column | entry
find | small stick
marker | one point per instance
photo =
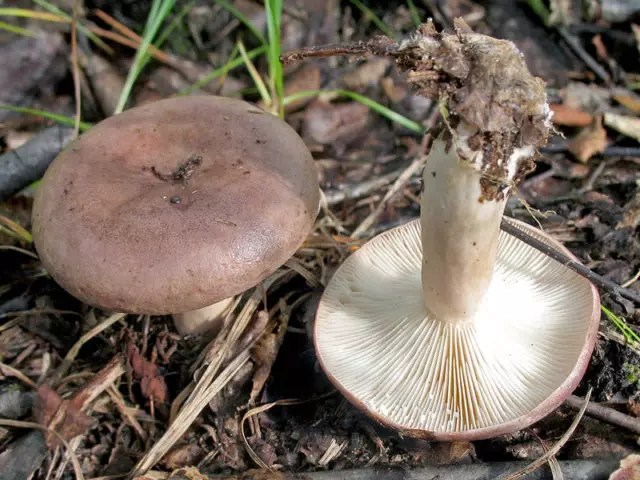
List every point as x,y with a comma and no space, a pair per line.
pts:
606,414
377,46
577,267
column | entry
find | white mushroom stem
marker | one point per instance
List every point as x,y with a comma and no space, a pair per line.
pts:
203,320
460,230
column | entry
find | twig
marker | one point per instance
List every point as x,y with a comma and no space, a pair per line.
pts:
102,380
133,36
26,164
556,448
127,42
608,152
577,267
606,414
360,189
18,374
377,46
577,48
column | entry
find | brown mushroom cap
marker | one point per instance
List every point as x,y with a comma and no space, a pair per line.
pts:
175,205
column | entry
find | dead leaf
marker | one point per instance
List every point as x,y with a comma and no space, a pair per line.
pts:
570,117
183,455
395,92
629,469
629,126
307,78
367,74
335,124
591,140
265,353
59,415
152,383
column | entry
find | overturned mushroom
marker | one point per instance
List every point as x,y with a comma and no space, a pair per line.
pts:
446,327
174,206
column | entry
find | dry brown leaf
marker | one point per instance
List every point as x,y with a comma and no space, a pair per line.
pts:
59,415
591,140
570,117
629,126
307,78
335,124
183,455
264,354
367,74
152,383
629,469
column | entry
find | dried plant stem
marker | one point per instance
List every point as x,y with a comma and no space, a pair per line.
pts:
558,445
606,414
73,352
577,267
9,370
209,382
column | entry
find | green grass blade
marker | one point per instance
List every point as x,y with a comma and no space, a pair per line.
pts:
230,65
273,10
160,9
257,79
34,14
629,334
541,10
174,23
384,111
372,104
16,230
84,126
17,30
90,35
415,15
243,19
374,18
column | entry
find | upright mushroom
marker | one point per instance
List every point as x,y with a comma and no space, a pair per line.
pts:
445,327
174,206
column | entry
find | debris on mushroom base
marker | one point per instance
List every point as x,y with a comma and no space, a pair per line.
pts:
446,327
207,320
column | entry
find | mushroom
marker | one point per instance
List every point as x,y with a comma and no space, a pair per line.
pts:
446,327
174,206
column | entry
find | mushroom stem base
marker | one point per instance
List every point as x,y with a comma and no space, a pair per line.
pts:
207,320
